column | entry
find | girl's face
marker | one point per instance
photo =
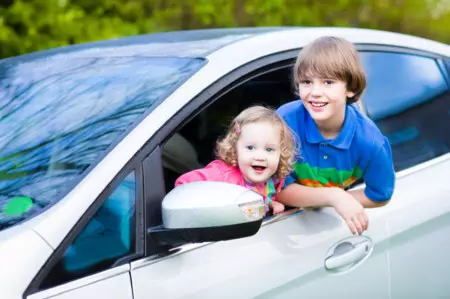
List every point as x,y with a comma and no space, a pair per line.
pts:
258,151
325,100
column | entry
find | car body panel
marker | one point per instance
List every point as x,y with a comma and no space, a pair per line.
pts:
22,253
418,222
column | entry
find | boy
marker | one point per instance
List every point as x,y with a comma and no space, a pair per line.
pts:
339,145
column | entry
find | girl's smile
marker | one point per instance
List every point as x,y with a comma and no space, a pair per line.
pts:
258,151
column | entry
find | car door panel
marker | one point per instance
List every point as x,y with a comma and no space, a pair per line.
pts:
284,259
419,223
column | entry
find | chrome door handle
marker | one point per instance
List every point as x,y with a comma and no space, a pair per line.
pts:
348,253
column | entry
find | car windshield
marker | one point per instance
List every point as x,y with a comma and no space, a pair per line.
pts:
59,116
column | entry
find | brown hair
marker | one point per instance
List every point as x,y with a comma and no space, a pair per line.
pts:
332,58
226,147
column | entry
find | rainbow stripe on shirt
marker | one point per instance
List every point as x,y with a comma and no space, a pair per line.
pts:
268,190
325,177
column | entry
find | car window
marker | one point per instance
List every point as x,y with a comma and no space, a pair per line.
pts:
58,117
107,237
193,146
409,100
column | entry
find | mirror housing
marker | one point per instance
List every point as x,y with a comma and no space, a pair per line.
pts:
208,212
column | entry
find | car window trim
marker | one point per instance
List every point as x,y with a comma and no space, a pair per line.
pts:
444,71
79,283
153,195
447,64
396,49
132,165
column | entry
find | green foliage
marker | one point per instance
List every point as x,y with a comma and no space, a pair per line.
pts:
30,25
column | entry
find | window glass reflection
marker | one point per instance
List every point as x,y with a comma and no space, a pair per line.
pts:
108,236
59,116
409,100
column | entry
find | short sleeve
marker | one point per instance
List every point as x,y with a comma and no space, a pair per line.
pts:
291,178
379,174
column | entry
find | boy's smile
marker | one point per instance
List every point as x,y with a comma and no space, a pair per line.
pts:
316,106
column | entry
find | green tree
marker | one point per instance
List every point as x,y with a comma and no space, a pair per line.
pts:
30,25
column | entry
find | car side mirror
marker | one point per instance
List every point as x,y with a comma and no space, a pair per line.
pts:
208,212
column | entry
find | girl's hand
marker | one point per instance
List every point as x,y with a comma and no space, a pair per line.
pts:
351,211
277,207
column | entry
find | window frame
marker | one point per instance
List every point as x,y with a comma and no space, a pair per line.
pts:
132,165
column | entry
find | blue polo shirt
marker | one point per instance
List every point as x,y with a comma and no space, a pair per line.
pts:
358,151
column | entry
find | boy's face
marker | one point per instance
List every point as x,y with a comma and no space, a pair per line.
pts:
325,100
258,151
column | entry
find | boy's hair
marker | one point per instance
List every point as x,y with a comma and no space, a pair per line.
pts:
332,58
226,147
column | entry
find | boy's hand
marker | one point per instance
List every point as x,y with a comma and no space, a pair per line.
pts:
277,207
351,211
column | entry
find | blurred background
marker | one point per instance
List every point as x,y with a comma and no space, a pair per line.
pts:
30,25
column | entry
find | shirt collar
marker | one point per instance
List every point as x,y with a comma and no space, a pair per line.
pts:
342,140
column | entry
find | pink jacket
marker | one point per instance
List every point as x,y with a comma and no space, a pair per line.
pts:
218,171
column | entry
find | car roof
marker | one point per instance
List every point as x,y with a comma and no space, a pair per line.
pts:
299,37
204,42
186,43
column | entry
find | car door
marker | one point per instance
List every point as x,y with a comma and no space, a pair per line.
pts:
287,257
408,98
93,261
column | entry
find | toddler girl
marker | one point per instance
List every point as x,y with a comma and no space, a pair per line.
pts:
257,153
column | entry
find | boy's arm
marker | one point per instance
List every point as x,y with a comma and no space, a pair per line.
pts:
342,201
360,196
296,195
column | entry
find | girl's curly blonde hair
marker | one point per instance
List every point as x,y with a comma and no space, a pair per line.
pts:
226,147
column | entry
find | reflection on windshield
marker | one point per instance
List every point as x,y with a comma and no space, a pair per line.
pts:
58,117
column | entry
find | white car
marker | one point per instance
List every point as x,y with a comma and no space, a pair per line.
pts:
93,136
